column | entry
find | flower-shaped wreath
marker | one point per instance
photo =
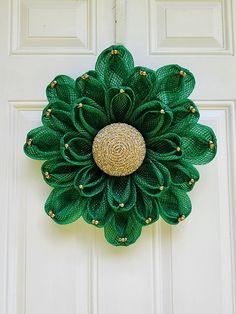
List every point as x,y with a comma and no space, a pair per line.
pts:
120,143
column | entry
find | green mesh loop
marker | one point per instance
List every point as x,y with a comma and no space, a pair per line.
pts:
166,147
183,174
156,104
42,143
124,102
90,181
196,144
64,204
56,116
88,85
97,210
58,173
175,205
119,110
61,88
123,229
152,119
88,116
152,177
147,208
141,80
121,193
114,65
76,150
171,86
186,111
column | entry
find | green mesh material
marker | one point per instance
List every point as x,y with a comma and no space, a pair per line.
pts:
154,102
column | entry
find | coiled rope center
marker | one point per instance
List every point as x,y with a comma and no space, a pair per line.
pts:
119,149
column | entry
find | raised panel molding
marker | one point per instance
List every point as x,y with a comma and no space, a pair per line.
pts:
39,278
53,27
211,225
177,286
85,269
190,27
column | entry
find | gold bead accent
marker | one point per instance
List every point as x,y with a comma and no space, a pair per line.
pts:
51,214
122,205
85,76
211,145
30,142
115,52
181,218
162,111
122,91
81,186
148,220
80,105
48,112
47,175
178,149
53,84
192,109
191,181
123,240
161,188
143,73
66,146
119,149
95,222
182,73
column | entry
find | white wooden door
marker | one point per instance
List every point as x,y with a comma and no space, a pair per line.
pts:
53,269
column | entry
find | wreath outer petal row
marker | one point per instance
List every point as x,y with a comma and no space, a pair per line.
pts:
155,106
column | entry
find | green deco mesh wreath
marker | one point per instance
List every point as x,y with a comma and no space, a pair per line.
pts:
120,143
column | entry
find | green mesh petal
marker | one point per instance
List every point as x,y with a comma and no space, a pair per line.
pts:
171,86
152,177
42,143
88,117
58,173
114,65
123,229
63,89
175,203
121,193
196,144
64,204
165,147
88,85
76,150
185,112
141,80
183,174
152,119
97,210
56,116
90,181
119,104
147,208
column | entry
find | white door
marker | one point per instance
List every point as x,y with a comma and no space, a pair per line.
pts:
53,269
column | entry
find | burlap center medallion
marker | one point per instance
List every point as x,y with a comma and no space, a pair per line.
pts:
119,149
